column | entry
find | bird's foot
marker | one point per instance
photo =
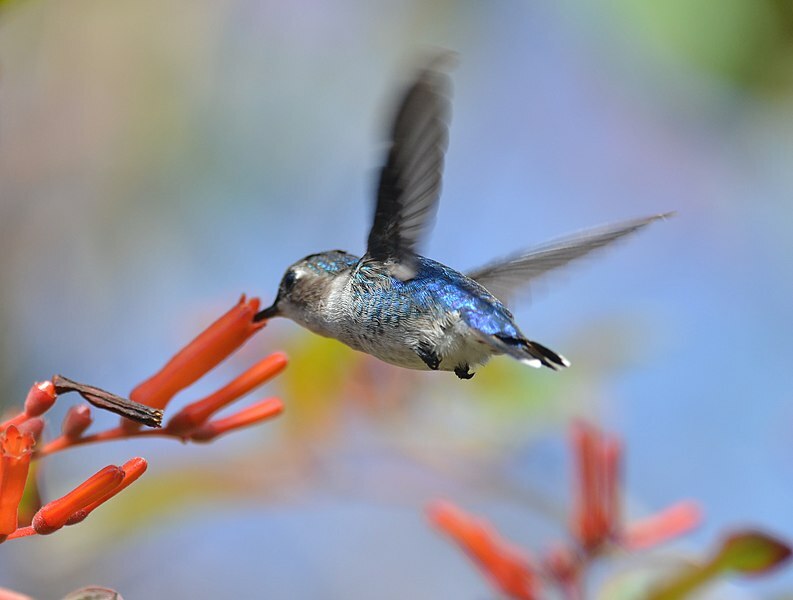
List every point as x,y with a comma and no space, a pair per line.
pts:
428,355
463,372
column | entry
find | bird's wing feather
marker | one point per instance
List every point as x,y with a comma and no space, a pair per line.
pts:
506,276
410,180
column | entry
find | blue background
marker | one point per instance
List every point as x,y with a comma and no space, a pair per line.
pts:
158,160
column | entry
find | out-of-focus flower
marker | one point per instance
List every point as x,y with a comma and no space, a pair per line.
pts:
506,566
596,514
669,523
595,522
6,594
749,553
93,593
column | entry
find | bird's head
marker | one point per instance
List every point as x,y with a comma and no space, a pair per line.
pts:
305,286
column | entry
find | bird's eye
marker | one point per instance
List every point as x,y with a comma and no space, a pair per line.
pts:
289,280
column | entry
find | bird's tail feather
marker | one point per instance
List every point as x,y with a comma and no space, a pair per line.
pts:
546,356
529,353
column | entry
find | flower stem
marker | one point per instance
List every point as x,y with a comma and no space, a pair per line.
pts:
62,443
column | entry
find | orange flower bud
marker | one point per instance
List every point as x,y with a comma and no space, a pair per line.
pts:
15,450
670,522
261,411
40,398
78,418
133,469
195,414
596,513
54,515
505,566
201,355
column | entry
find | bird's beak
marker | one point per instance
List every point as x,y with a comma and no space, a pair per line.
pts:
267,313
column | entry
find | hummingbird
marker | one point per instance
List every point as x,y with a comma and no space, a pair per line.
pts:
409,310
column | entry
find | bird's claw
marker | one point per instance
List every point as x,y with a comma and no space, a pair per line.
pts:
428,355
463,372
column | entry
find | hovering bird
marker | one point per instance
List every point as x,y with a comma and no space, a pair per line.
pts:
409,310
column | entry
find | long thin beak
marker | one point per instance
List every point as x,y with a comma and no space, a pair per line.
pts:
267,313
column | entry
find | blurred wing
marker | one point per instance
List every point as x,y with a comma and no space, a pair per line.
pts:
508,275
410,181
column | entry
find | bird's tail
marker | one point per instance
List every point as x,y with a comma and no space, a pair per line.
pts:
545,356
529,353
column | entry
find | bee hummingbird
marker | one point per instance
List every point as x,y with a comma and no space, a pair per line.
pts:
409,310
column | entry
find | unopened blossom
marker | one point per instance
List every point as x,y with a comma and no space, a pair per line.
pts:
256,413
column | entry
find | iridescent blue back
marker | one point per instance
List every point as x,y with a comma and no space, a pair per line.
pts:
435,291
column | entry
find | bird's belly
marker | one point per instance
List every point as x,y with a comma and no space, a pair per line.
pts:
395,347
463,348
455,345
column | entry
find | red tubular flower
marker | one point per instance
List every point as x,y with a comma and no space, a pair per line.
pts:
261,411
15,447
505,566
133,469
40,398
201,355
596,514
55,514
671,522
6,594
78,418
196,414
22,532
596,518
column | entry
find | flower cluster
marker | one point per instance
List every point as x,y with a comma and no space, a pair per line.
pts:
595,527
18,438
20,435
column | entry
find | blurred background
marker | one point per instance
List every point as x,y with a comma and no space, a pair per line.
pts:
159,159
